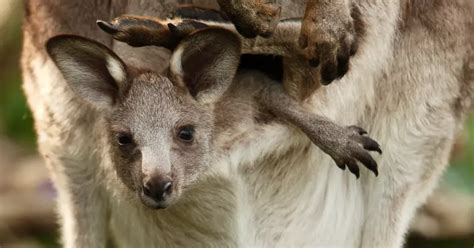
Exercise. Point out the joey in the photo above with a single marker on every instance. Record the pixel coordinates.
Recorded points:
(345, 145)
(161, 127)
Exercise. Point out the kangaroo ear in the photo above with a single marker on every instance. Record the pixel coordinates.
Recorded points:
(206, 62)
(94, 72)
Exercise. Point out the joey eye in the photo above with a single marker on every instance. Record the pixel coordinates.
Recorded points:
(186, 134)
(124, 139)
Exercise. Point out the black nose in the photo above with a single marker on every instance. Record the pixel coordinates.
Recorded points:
(156, 191)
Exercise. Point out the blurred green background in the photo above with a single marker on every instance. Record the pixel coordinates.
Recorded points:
(22, 228)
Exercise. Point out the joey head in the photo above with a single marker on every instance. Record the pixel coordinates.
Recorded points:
(159, 128)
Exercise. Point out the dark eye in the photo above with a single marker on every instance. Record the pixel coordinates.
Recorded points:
(124, 139)
(186, 134)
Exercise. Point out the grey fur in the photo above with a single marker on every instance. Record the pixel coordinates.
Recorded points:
(410, 85)
(344, 145)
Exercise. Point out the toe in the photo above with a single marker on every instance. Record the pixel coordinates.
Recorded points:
(341, 165)
(313, 56)
(371, 145)
(328, 63)
(353, 167)
(367, 160)
(245, 31)
(108, 27)
(328, 71)
(342, 65)
(343, 57)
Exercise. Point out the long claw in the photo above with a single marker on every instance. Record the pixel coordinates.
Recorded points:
(341, 165)
(371, 145)
(173, 29)
(352, 165)
(365, 158)
(107, 27)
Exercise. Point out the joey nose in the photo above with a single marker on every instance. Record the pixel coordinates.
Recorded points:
(156, 191)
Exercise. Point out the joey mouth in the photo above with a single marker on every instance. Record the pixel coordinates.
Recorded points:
(153, 203)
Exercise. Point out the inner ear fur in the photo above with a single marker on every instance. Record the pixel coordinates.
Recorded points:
(93, 71)
(205, 62)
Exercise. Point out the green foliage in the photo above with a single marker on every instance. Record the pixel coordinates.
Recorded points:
(15, 117)
(48, 240)
(461, 174)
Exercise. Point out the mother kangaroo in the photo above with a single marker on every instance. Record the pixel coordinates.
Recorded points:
(410, 84)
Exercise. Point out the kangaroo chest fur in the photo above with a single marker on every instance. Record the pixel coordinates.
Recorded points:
(277, 201)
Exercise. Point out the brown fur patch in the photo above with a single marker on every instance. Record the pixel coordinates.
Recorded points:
(199, 13)
(464, 102)
(359, 24)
